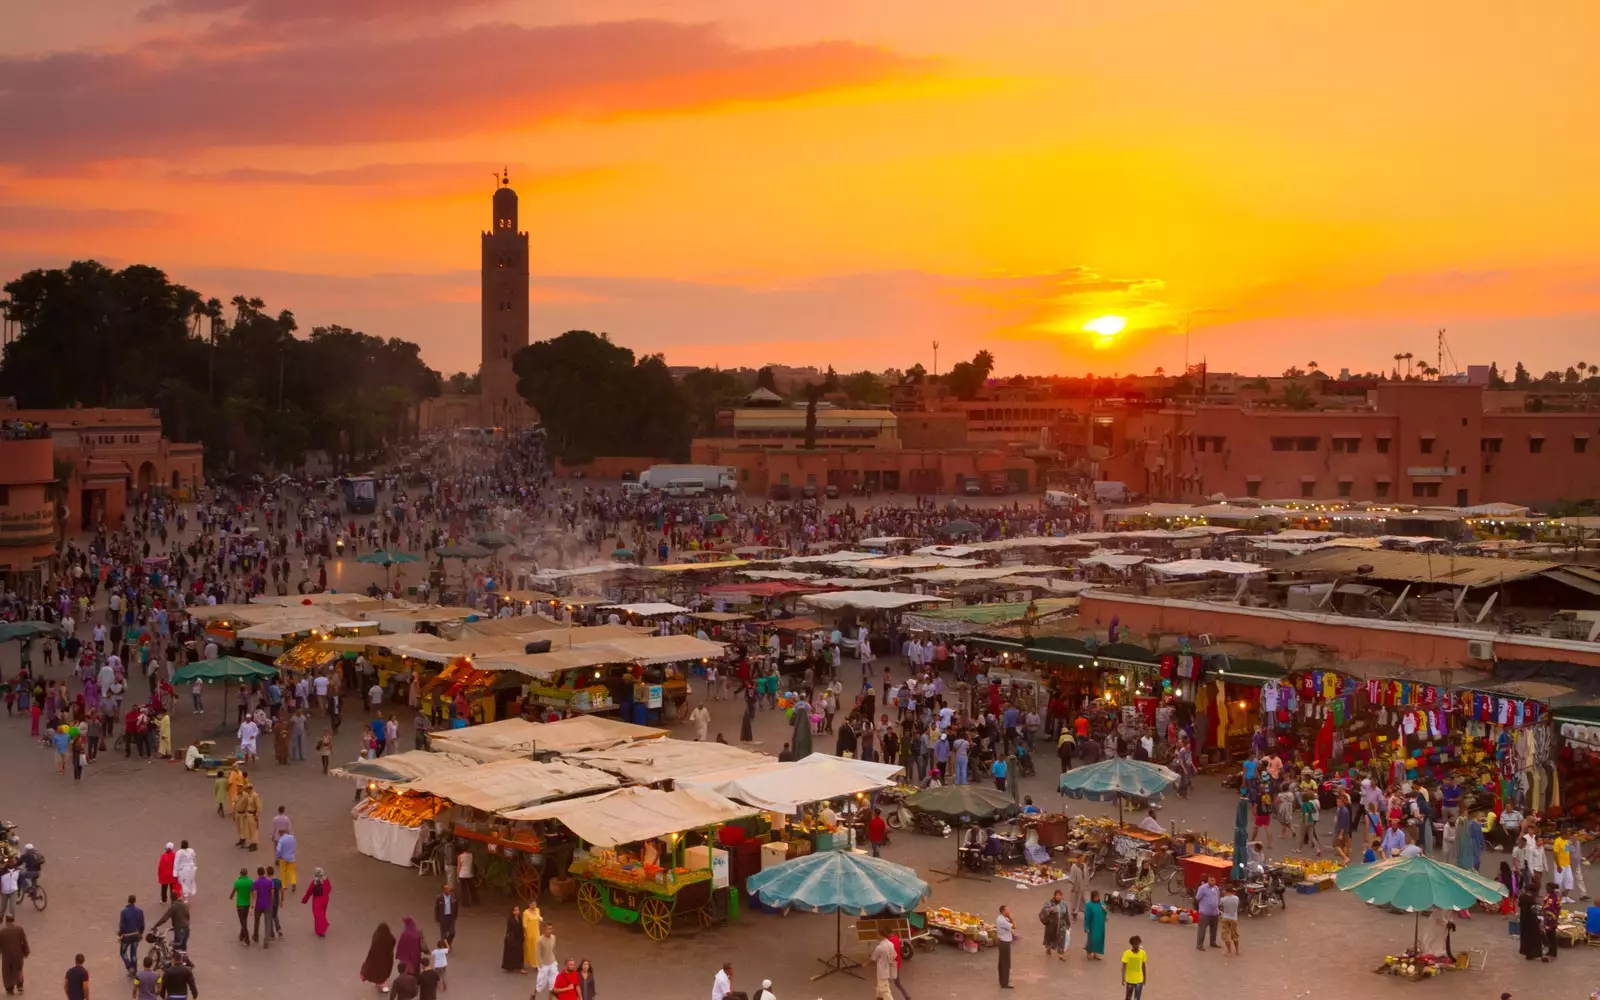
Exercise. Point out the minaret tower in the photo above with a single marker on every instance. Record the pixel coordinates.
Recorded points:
(505, 311)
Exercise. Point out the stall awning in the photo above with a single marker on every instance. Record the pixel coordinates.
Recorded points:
(408, 766)
(519, 736)
(785, 786)
(663, 760)
(1249, 672)
(629, 815)
(648, 609)
(511, 784)
(871, 600)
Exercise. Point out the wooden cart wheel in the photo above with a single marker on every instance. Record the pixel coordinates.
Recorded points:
(527, 881)
(656, 916)
(589, 907)
(703, 914)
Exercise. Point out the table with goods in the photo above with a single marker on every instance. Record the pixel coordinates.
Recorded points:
(388, 825)
(967, 931)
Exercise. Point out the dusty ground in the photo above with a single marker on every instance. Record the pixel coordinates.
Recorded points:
(103, 836)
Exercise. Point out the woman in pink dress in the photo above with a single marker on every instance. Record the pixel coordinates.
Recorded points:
(317, 894)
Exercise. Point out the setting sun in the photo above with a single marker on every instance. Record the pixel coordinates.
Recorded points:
(1106, 326)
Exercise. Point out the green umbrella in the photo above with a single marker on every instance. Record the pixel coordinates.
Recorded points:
(622, 553)
(1118, 778)
(26, 630)
(466, 550)
(1417, 884)
(494, 539)
(839, 882)
(960, 528)
(385, 558)
(223, 668)
(966, 804)
(718, 516)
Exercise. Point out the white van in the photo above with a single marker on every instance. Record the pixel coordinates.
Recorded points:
(634, 489)
(685, 488)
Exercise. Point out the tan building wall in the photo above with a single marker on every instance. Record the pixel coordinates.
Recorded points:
(27, 515)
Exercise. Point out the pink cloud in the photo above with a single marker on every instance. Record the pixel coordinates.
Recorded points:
(169, 97)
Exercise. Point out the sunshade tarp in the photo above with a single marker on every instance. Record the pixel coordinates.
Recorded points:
(963, 803)
(408, 766)
(999, 614)
(1118, 777)
(653, 649)
(222, 668)
(511, 784)
(785, 786)
(1417, 884)
(26, 630)
(839, 881)
(629, 815)
(661, 760)
(875, 600)
(584, 732)
(646, 609)
(1202, 567)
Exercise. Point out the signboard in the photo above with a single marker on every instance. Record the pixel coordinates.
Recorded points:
(648, 695)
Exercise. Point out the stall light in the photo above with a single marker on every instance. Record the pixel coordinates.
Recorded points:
(1122, 678)
(1108, 696)
(372, 786)
(1241, 705)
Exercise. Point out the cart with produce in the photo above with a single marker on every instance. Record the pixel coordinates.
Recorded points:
(516, 860)
(636, 863)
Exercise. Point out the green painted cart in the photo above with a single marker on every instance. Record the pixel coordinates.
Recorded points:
(654, 906)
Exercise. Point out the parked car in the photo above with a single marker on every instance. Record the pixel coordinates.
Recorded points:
(809, 492)
(832, 492)
(972, 488)
(630, 476)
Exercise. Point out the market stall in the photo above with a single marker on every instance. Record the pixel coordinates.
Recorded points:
(657, 762)
(519, 737)
(389, 825)
(636, 865)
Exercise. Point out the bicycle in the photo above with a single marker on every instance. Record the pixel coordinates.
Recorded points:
(35, 892)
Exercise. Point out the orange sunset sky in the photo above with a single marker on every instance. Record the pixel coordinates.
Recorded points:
(839, 182)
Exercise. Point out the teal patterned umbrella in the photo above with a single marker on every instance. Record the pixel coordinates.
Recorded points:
(1118, 778)
(839, 882)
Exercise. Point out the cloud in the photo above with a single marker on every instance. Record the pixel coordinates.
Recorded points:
(390, 179)
(279, 13)
(50, 219)
(170, 96)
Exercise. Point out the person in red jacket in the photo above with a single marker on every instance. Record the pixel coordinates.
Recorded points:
(877, 833)
(164, 875)
(567, 983)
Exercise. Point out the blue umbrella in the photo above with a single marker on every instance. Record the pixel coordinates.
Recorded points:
(1118, 778)
(839, 882)
(1241, 835)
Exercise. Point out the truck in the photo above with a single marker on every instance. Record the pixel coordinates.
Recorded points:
(717, 478)
(360, 494)
(1110, 491)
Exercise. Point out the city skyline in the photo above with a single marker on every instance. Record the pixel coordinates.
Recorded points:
(841, 185)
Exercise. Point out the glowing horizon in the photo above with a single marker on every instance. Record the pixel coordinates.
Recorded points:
(840, 184)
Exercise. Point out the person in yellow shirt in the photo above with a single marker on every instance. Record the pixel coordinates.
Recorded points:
(1133, 962)
(1562, 849)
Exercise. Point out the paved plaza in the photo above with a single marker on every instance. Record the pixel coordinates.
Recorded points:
(102, 838)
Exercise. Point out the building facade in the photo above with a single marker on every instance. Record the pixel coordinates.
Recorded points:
(27, 510)
(1432, 444)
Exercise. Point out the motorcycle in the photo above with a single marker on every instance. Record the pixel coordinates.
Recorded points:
(1266, 889)
(918, 821)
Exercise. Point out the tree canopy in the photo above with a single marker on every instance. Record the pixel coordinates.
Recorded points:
(594, 398)
(967, 378)
(250, 390)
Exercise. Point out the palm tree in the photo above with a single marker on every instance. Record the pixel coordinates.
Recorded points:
(1160, 371)
(1408, 356)
(1312, 366)
(1594, 370)
(1397, 359)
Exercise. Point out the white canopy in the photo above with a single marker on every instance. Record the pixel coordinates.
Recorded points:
(822, 559)
(952, 551)
(897, 563)
(511, 784)
(972, 573)
(647, 609)
(519, 736)
(400, 767)
(882, 540)
(785, 786)
(1201, 567)
(663, 760)
(1113, 560)
(877, 600)
(629, 815)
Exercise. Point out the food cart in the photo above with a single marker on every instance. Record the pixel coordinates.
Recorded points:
(636, 867)
(509, 857)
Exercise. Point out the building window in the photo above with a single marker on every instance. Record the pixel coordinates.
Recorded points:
(1345, 486)
(5, 496)
(1425, 445)
(1424, 491)
(1383, 446)
(1490, 446)
(1308, 488)
(1461, 498)
(1252, 488)
(1347, 446)
(1306, 443)
(1580, 445)
(1283, 444)
(1216, 444)
(1536, 445)
(1380, 489)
